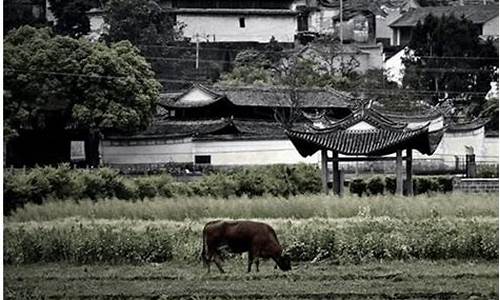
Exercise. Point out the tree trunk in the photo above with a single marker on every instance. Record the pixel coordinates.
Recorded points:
(92, 148)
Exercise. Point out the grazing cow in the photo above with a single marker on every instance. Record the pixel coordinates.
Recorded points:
(258, 239)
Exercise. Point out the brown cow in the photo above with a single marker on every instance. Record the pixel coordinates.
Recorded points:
(258, 239)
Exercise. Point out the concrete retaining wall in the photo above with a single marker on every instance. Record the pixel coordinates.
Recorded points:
(476, 185)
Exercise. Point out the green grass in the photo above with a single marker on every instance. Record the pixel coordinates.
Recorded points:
(299, 207)
(387, 280)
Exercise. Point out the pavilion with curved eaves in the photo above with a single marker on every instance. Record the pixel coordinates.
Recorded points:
(367, 135)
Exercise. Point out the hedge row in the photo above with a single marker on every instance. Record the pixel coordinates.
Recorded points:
(354, 240)
(421, 185)
(39, 184)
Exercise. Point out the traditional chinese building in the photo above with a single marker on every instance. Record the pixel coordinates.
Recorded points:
(223, 126)
(371, 135)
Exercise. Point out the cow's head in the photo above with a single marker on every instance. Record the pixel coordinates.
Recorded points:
(284, 262)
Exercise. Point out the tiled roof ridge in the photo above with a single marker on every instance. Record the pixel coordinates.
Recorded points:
(468, 10)
(467, 126)
(370, 115)
(354, 143)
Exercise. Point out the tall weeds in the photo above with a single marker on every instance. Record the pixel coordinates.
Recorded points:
(339, 240)
(296, 207)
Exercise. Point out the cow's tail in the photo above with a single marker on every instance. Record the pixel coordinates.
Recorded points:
(204, 248)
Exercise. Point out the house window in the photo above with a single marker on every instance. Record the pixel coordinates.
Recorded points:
(242, 22)
(202, 159)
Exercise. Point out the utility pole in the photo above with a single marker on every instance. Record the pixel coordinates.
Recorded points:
(341, 31)
(197, 37)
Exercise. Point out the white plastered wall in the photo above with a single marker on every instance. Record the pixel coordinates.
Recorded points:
(226, 28)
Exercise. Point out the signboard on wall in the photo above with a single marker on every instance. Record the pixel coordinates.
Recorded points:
(77, 150)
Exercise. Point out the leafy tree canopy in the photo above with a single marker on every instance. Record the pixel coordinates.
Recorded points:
(142, 22)
(71, 16)
(153, 30)
(451, 61)
(56, 81)
(323, 68)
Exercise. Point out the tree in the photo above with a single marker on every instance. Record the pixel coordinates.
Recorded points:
(20, 12)
(322, 66)
(55, 82)
(71, 16)
(153, 30)
(450, 61)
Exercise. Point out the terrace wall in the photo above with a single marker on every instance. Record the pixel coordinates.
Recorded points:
(476, 185)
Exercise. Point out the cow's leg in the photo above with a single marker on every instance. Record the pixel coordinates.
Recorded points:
(250, 261)
(257, 264)
(218, 263)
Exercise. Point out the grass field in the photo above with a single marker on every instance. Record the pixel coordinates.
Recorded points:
(304, 206)
(377, 248)
(384, 280)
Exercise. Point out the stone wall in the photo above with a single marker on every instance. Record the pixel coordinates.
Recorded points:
(476, 185)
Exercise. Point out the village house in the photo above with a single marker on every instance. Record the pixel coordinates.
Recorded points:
(228, 126)
(485, 17)
(222, 126)
(236, 21)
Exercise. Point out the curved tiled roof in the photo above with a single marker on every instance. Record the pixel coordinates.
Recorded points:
(478, 14)
(360, 142)
(468, 126)
(385, 137)
(263, 97)
(201, 128)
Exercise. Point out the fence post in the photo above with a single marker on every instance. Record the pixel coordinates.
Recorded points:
(470, 162)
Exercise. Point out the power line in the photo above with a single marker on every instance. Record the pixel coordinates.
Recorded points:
(228, 62)
(461, 57)
(269, 90)
(298, 50)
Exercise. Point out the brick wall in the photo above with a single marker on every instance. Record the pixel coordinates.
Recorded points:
(476, 185)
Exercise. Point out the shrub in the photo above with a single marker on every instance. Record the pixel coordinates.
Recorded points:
(390, 184)
(16, 193)
(164, 185)
(358, 187)
(146, 187)
(421, 185)
(93, 186)
(124, 189)
(219, 185)
(250, 182)
(61, 180)
(487, 171)
(278, 181)
(305, 179)
(445, 184)
(375, 186)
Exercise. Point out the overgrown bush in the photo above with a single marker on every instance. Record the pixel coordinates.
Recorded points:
(250, 182)
(375, 186)
(146, 187)
(81, 244)
(445, 184)
(358, 187)
(487, 171)
(390, 184)
(61, 183)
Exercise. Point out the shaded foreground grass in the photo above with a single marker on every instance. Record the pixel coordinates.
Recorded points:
(381, 280)
(304, 206)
